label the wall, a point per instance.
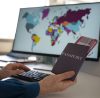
(5, 45)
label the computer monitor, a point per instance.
(47, 30)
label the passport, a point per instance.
(71, 58)
(87, 41)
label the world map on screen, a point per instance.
(70, 22)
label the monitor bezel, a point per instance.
(54, 55)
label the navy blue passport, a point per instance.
(71, 58)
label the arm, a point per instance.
(16, 89)
(56, 83)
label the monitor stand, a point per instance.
(38, 58)
(45, 59)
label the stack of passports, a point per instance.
(71, 58)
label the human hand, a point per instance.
(12, 69)
(55, 83)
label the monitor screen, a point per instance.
(47, 30)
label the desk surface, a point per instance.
(87, 86)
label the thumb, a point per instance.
(65, 75)
(15, 72)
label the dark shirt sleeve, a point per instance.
(16, 89)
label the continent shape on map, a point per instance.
(69, 22)
(45, 13)
(31, 20)
(35, 40)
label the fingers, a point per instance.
(67, 84)
(20, 66)
(65, 75)
(15, 72)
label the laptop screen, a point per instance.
(47, 30)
